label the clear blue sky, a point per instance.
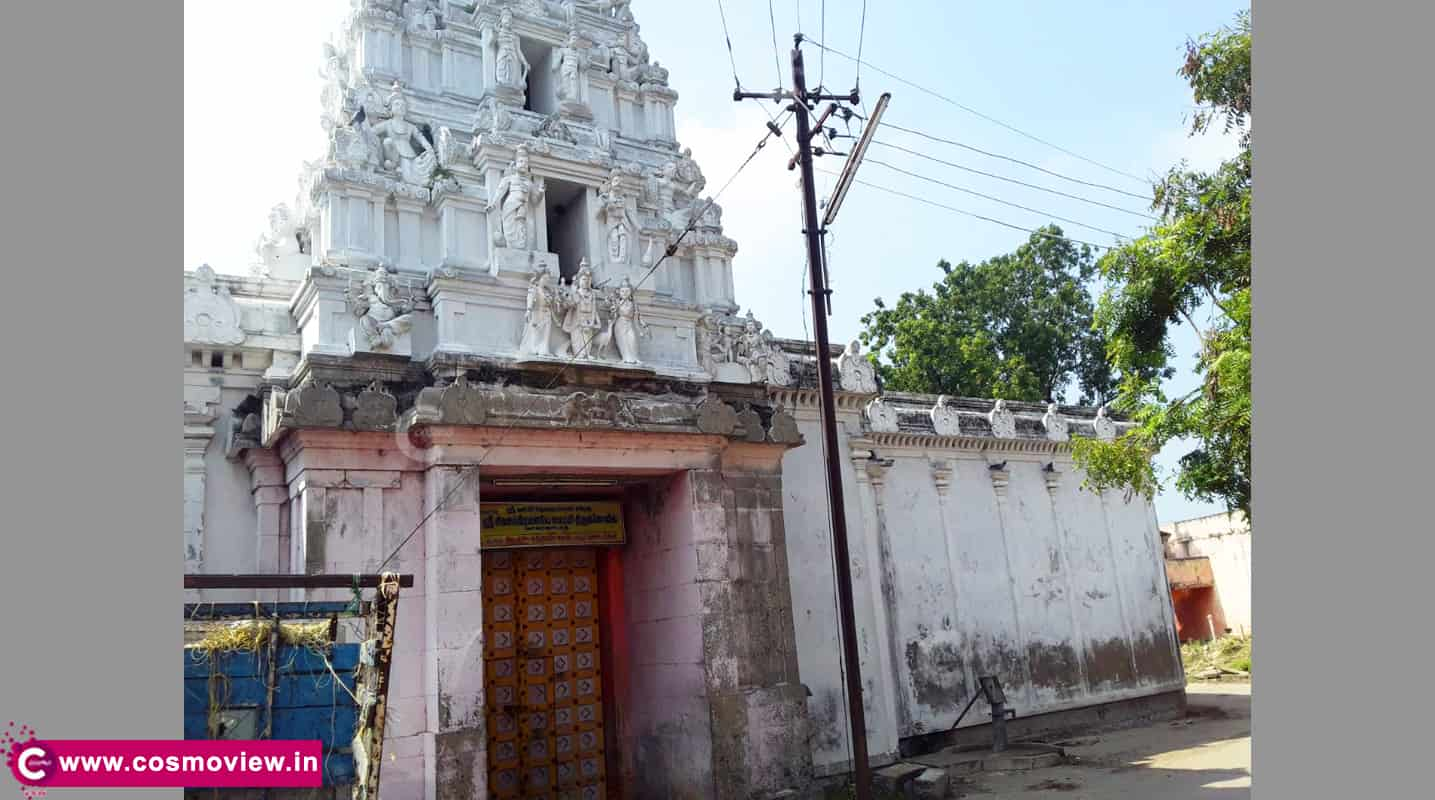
(1096, 78)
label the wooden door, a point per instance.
(543, 674)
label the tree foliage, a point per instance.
(1017, 326)
(1193, 268)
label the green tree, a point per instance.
(1017, 326)
(1193, 268)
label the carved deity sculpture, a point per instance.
(1104, 428)
(656, 73)
(514, 195)
(421, 15)
(511, 68)
(1001, 419)
(568, 9)
(1055, 424)
(666, 183)
(755, 349)
(945, 419)
(538, 321)
(334, 72)
(634, 44)
(855, 371)
(210, 314)
(570, 65)
(583, 319)
(620, 63)
(712, 347)
(621, 226)
(607, 8)
(690, 173)
(748, 346)
(384, 314)
(776, 369)
(628, 324)
(280, 241)
(405, 148)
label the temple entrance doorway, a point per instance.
(549, 554)
(544, 673)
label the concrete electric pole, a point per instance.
(821, 308)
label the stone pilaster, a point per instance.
(271, 497)
(1001, 478)
(879, 696)
(759, 709)
(201, 408)
(1053, 478)
(453, 635)
(875, 470)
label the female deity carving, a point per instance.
(538, 322)
(628, 324)
(511, 68)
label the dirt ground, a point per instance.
(1206, 756)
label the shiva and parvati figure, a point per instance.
(583, 319)
(514, 195)
(757, 350)
(511, 67)
(578, 308)
(543, 303)
(385, 314)
(404, 146)
(613, 206)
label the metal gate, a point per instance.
(543, 676)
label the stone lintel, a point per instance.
(358, 369)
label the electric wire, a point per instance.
(1046, 189)
(861, 38)
(990, 154)
(977, 113)
(727, 37)
(776, 58)
(822, 68)
(466, 472)
(993, 199)
(964, 212)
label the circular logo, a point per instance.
(34, 763)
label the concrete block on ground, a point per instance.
(896, 780)
(931, 784)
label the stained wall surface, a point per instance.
(960, 570)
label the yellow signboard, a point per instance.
(510, 525)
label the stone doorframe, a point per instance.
(354, 496)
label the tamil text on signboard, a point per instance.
(509, 525)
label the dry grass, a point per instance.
(251, 635)
(1226, 654)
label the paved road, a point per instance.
(1206, 756)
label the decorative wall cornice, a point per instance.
(927, 442)
(811, 398)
